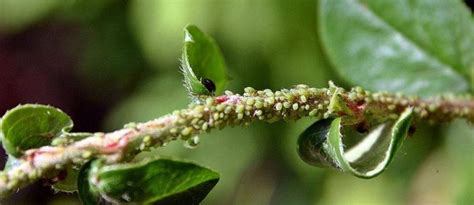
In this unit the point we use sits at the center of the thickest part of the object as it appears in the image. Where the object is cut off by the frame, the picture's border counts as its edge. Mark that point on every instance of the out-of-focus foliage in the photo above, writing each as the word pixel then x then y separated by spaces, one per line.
pixel 128 61
pixel 18 14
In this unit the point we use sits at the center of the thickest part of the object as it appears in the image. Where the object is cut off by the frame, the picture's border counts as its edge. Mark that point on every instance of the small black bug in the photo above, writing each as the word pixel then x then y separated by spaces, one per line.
pixel 210 86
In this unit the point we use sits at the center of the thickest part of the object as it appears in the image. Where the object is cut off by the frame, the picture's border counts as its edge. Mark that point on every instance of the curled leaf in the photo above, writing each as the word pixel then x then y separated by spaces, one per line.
pixel 31 126
pixel 322 145
pixel 203 65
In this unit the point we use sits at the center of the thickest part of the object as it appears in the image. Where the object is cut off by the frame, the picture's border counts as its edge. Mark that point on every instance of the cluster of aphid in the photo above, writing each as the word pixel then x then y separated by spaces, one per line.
pixel 234 109
pixel 439 109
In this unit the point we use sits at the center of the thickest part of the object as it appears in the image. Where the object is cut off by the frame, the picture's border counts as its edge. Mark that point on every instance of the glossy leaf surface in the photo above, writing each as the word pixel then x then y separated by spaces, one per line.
pixel 400 45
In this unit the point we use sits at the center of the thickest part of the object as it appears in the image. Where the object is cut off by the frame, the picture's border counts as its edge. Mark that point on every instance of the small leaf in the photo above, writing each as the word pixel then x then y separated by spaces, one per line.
pixel 397 45
pixel 337 104
pixel 321 145
pixel 203 65
pixel 31 126
pixel 159 181
pixel 88 194
pixel 69 183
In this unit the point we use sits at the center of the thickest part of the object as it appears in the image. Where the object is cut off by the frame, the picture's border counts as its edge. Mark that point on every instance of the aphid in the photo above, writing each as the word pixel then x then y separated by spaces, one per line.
pixel 209 84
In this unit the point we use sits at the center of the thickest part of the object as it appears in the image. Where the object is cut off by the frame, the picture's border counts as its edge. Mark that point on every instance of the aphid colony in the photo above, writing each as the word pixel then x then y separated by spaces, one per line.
pixel 235 109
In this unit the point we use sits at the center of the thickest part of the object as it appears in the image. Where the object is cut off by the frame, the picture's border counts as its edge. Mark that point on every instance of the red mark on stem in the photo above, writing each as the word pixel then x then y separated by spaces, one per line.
pixel 222 98
pixel 117 145
pixel 111 145
pixel 32 154
pixel 31 158
pixel 356 107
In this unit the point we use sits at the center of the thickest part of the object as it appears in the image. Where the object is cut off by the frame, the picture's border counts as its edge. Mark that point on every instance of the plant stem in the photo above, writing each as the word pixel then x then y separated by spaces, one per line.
pixel 229 110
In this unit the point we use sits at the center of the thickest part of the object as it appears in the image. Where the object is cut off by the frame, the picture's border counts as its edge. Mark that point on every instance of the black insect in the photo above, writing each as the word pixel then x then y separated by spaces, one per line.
pixel 209 84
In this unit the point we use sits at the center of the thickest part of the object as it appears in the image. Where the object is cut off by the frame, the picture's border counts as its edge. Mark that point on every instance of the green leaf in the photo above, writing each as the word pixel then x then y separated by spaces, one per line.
pixel 31 126
pixel 337 103
pixel 158 181
pixel 399 45
pixel 322 145
pixel 69 183
pixel 310 144
pixel 202 59
pixel 88 194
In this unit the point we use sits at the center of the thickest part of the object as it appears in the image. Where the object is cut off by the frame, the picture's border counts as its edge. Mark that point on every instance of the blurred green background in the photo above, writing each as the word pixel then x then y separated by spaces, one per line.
pixel 109 62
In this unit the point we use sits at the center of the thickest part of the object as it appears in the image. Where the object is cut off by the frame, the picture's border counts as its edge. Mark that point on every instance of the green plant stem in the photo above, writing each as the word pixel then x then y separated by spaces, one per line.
pixel 228 110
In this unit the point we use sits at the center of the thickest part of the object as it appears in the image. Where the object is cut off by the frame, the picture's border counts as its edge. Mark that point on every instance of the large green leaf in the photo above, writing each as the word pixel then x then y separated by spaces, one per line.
pixel 423 47
pixel 158 181
pixel 202 59
pixel 322 145
pixel 31 126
